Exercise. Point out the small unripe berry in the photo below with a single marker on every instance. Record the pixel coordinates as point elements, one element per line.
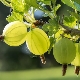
<point>64,52</point>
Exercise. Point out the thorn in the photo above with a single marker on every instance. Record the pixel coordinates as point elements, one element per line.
<point>64,68</point>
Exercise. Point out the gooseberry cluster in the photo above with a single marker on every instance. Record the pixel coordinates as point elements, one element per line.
<point>64,50</point>
<point>40,37</point>
<point>15,34</point>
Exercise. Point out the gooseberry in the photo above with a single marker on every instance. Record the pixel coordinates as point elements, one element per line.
<point>37,41</point>
<point>64,52</point>
<point>15,33</point>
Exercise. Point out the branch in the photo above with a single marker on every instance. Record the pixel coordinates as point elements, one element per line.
<point>71,31</point>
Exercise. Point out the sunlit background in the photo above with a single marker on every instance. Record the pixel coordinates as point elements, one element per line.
<point>18,63</point>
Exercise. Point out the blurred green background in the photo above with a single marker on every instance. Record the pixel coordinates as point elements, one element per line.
<point>17,63</point>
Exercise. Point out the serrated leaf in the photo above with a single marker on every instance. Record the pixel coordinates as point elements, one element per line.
<point>18,5</point>
<point>50,33</point>
<point>70,21</point>
<point>77,16</point>
<point>14,17</point>
<point>53,23</point>
<point>51,27</point>
<point>45,27</point>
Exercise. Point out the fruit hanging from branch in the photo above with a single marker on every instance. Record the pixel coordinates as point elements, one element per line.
<point>43,35</point>
<point>37,41</point>
<point>64,52</point>
<point>14,33</point>
<point>76,61</point>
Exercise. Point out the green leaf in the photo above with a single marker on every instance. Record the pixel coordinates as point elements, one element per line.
<point>51,27</point>
<point>70,21</point>
<point>72,3</point>
<point>57,7</point>
<point>53,24</point>
<point>14,17</point>
<point>46,27</point>
<point>77,6</point>
<point>32,3</point>
<point>8,0</point>
<point>47,2</point>
<point>52,41</point>
<point>5,3</point>
<point>59,33</point>
<point>69,3</point>
<point>18,5</point>
<point>77,1</point>
<point>29,17</point>
<point>77,16</point>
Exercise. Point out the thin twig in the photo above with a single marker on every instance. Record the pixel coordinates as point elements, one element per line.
<point>71,31</point>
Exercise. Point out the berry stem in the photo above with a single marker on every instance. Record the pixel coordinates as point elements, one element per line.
<point>77,69</point>
<point>64,68</point>
<point>42,57</point>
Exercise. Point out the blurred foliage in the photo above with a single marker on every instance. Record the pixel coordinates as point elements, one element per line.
<point>39,74</point>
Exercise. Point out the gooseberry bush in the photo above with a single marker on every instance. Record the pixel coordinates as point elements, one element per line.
<point>60,33</point>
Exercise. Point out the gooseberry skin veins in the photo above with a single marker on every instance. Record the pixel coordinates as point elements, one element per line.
<point>15,33</point>
<point>37,41</point>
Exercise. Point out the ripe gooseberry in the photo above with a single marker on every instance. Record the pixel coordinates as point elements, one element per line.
<point>37,41</point>
<point>15,33</point>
